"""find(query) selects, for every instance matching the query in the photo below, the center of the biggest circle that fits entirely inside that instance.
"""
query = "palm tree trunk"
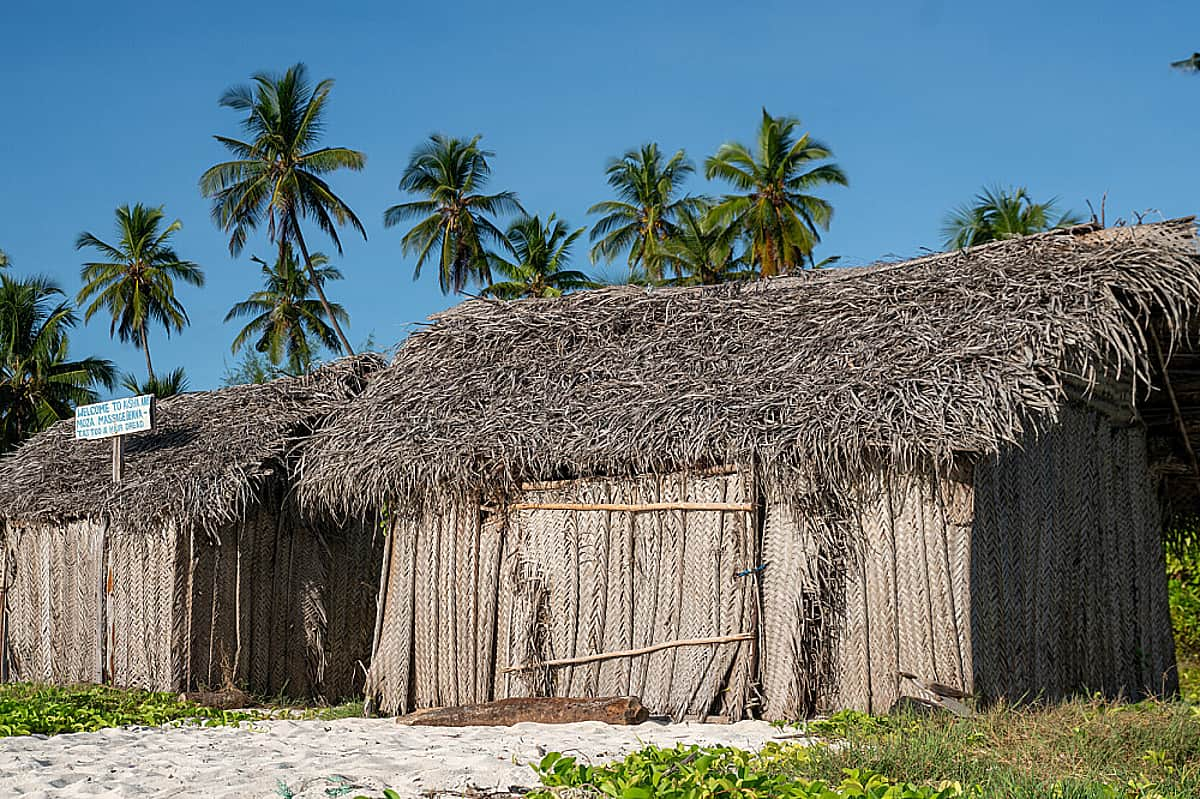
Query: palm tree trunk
(146, 349)
(316, 284)
(769, 267)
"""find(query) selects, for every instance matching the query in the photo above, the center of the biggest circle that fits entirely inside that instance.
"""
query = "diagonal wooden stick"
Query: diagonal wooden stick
(629, 653)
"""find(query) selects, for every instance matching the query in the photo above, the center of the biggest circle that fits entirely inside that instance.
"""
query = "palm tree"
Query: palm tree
(285, 317)
(773, 206)
(175, 382)
(541, 254)
(999, 213)
(4, 262)
(449, 173)
(136, 282)
(646, 208)
(39, 383)
(277, 174)
(705, 254)
(1190, 64)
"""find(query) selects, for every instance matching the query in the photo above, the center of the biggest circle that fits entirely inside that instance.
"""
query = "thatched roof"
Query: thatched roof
(806, 377)
(209, 453)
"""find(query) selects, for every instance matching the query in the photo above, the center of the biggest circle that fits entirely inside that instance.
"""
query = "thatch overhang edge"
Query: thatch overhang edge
(809, 378)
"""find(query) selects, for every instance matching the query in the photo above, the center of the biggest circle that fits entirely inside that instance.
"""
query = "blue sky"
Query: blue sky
(922, 103)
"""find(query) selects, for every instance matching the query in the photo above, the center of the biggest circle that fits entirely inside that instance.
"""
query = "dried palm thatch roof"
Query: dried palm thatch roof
(209, 453)
(807, 377)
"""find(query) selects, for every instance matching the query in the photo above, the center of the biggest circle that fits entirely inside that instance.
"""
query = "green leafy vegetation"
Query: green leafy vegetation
(40, 383)
(1085, 749)
(456, 220)
(278, 175)
(32, 709)
(647, 206)
(540, 256)
(287, 322)
(692, 772)
(134, 284)
(1182, 547)
(772, 205)
(161, 385)
(1002, 213)
(27, 709)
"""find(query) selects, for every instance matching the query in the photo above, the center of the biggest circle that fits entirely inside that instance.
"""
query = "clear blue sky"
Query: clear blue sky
(922, 103)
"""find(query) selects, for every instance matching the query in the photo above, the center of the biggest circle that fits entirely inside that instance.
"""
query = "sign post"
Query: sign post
(114, 419)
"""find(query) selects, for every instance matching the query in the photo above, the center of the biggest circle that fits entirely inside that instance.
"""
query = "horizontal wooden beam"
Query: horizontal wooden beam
(629, 653)
(707, 471)
(634, 508)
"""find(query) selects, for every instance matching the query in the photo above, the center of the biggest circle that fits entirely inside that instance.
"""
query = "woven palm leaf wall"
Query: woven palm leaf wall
(171, 608)
(470, 595)
(53, 596)
(1067, 568)
(281, 606)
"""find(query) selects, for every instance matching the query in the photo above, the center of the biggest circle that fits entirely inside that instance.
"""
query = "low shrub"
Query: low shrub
(27, 709)
(1182, 547)
(692, 772)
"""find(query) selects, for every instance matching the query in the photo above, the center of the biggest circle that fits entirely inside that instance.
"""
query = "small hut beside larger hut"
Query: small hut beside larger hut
(197, 570)
(949, 468)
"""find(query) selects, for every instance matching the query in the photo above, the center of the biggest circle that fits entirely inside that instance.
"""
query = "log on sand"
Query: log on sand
(621, 710)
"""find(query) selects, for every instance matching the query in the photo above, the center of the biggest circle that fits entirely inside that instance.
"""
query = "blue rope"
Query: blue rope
(748, 572)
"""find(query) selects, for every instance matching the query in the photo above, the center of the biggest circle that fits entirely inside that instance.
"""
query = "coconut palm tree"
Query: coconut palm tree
(540, 255)
(705, 254)
(277, 175)
(1000, 213)
(645, 211)
(135, 283)
(455, 217)
(3, 260)
(1189, 64)
(285, 318)
(773, 206)
(162, 386)
(39, 382)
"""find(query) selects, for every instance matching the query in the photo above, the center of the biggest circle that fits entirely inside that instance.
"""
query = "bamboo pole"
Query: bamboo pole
(628, 653)
(3, 611)
(634, 508)
(385, 576)
(707, 471)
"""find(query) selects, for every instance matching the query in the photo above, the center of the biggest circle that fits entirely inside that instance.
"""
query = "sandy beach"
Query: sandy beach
(306, 759)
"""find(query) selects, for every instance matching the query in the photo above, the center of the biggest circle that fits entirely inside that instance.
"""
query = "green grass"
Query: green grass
(27, 709)
(1076, 749)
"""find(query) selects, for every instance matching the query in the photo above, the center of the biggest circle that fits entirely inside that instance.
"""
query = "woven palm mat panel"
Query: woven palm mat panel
(1065, 557)
(583, 582)
(53, 604)
(143, 582)
(350, 591)
(436, 645)
(853, 596)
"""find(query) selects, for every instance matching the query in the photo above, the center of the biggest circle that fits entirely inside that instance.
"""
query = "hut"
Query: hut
(828, 490)
(197, 570)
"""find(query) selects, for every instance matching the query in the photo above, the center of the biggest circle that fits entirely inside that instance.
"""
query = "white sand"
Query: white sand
(315, 758)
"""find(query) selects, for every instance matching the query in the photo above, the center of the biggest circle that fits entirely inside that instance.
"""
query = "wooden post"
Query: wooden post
(118, 465)
(3, 612)
(102, 605)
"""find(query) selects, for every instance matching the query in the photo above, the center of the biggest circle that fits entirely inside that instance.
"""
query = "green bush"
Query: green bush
(692, 772)
(1183, 585)
(27, 709)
